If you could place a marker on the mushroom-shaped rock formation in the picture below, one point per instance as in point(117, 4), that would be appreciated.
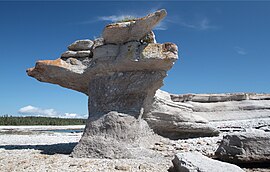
point(120, 73)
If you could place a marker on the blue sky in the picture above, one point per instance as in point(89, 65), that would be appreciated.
point(223, 47)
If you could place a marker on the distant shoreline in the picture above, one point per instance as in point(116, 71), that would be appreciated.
point(7, 120)
point(42, 127)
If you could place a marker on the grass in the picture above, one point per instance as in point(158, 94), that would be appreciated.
point(126, 19)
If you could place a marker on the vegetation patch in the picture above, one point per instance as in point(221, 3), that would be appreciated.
point(127, 19)
point(32, 120)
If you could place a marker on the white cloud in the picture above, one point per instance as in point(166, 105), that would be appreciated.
point(115, 18)
point(31, 110)
point(202, 24)
point(35, 111)
point(161, 26)
point(72, 115)
point(240, 50)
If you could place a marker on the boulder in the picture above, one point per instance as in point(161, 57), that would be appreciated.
point(81, 45)
point(120, 80)
point(245, 147)
point(196, 162)
point(176, 120)
point(133, 30)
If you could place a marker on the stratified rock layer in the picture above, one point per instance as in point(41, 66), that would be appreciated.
point(76, 73)
point(176, 120)
point(134, 30)
point(195, 115)
point(234, 111)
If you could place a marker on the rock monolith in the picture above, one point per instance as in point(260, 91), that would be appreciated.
point(120, 73)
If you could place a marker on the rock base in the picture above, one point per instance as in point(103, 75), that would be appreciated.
point(114, 135)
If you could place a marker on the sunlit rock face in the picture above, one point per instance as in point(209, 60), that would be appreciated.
point(134, 30)
point(120, 73)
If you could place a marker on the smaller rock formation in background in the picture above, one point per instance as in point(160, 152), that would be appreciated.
point(229, 112)
point(176, 120)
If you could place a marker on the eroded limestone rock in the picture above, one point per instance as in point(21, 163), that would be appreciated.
point(76, 54)
point(133, 30)
point(81, 45)
point(229, 112)
point(120, 79)
point(176, 120)
point(106, 59)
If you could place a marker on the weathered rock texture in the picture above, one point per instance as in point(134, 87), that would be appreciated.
point(120, 73)
point(196, 162)
point(193, 115)
point(176, 120)
point(235, 111)
point(134, 30)
point(246, 147)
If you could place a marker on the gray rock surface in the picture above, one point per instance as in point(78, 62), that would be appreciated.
point(116, 103)
point(111, 136)
point(133, 30)
point(247, 147)
point(176, 120)
point(81, 45)
point(236, 110)
point(195, 115)
point(196, 162)
point(208, 98)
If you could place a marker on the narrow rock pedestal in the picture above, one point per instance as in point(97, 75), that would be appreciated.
point(116, 105)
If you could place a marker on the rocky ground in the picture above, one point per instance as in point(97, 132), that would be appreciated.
point(33, 149)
